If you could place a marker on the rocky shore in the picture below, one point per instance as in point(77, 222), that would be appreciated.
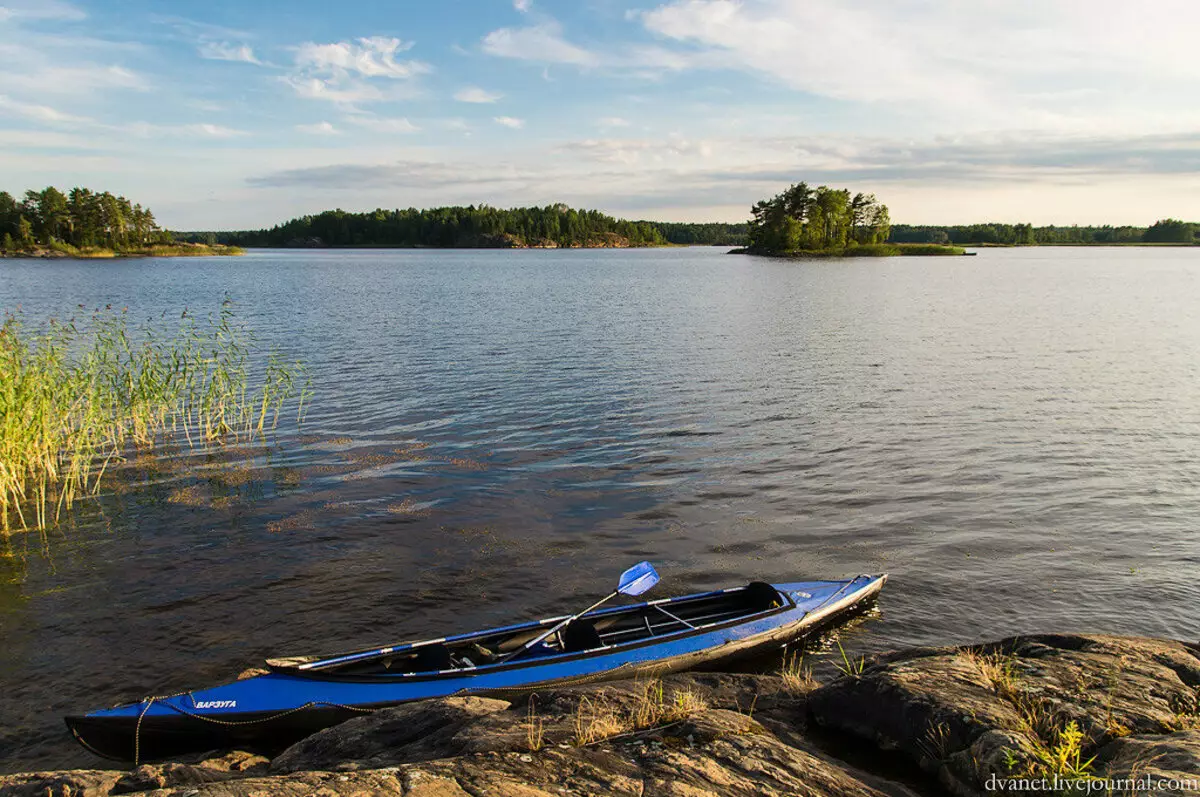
point(1115, 715)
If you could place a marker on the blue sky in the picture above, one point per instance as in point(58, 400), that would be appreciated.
point(242, 114)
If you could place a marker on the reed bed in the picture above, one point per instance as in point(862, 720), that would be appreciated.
point(76, 396)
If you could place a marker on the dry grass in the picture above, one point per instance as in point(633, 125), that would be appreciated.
point(797, 679)
point(937, 743)
point(998, 670)
point(601, 719)
point(535, 730)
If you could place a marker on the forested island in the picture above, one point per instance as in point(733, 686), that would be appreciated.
point(808, 222)
point(827, 222)
point(86, 223)
point(475, 226)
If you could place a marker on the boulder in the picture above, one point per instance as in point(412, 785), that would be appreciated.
point(974, 713)
point(406, 733)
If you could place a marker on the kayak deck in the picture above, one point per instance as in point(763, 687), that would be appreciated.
point(599, 629)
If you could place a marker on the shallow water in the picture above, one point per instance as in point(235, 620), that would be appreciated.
point(495, 435)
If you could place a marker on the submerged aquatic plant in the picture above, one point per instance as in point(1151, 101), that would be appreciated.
point(75, 396)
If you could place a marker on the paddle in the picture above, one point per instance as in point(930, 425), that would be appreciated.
point(634, 581)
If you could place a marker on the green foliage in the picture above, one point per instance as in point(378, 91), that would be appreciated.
point(680, 233)
point(8, 244)
point(81, 219)
point(997, 234)
point(817, 220)
point(1171, 231)
point(60, 246)
point(472, 226)
point(926, 249)
point(703, 234)
point(851, 668)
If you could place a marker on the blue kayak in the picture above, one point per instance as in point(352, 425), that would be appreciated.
point(296, 697)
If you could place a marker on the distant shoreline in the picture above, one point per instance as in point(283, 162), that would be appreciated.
point(160, 250)
point(1177, 244)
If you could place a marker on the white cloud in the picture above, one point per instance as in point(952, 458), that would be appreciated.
point(318, 129)
point(543, 43)
point(1034, 64)
point(200, 130)
point(38, 113)
point(380, 124)
point(523, 5)
point(374, 56)
point(341, 72)
point(475, 94)
point(509, 121)
point(74, 80)
point(225, 51)
point(41, 9)
point(674, 148)
point(215, 131)
point(346, 92)
point(612, 121)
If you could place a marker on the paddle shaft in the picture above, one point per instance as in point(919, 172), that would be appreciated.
point(560, 625)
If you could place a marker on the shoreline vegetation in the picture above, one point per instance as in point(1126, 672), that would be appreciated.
point(799, 222)
point(79, 394)
point(59, 250)
point(86, 224)
point(474, 227)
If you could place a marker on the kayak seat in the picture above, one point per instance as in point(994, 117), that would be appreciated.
point(432, 657)
point(581, 635)
point(761, 596)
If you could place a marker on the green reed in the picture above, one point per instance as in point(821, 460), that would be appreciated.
point(75, 396)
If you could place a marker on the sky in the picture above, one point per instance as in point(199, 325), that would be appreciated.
point(227, 114)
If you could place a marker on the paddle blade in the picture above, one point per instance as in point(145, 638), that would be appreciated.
point(638, 579)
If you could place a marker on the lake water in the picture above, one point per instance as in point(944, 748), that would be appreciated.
point(495, 435)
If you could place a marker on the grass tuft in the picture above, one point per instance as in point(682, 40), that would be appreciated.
point(851, 668)
point(535, 729)
point(797, 679)
point(601, 719)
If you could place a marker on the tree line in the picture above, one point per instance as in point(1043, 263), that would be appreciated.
point(817, 219)
point(1164, 231)
point(475, 226)
point(467, 227)
point(81, 218)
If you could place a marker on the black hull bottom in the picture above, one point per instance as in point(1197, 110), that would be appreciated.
point(159, 738)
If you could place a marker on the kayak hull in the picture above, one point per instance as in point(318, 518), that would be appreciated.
point(270, 711)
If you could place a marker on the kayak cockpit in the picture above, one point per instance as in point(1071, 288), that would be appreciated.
point(597, 630)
